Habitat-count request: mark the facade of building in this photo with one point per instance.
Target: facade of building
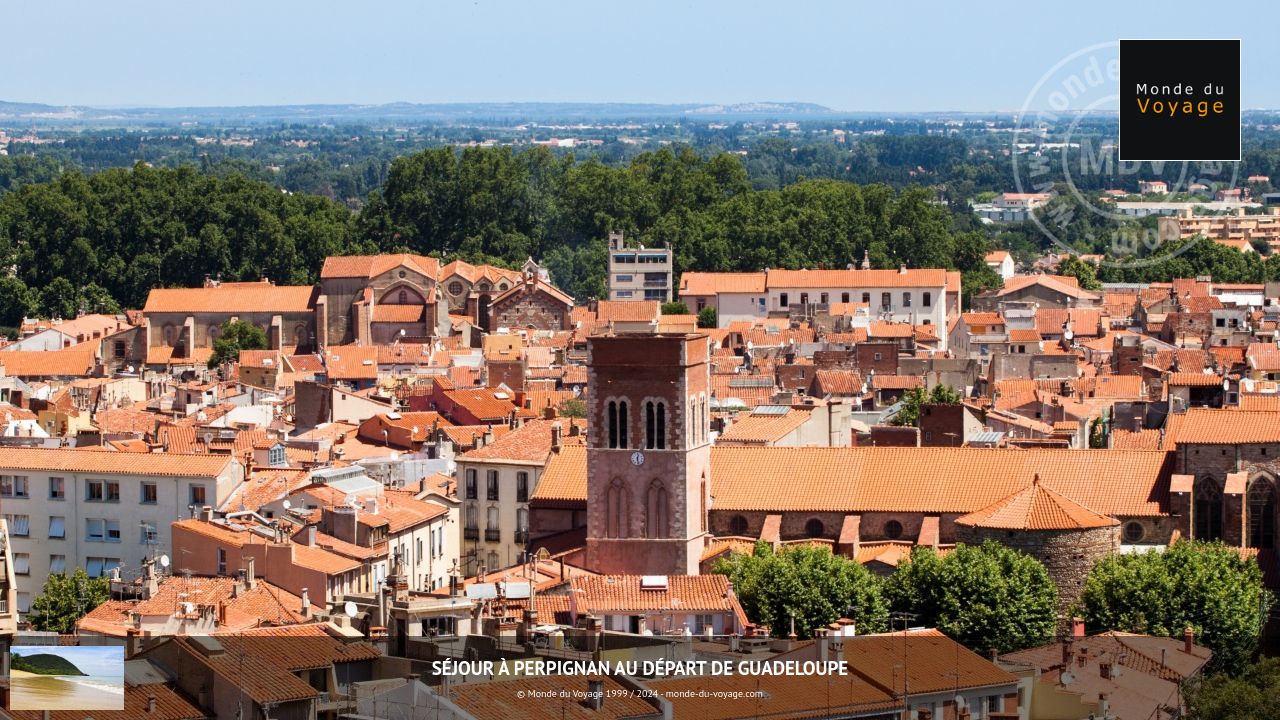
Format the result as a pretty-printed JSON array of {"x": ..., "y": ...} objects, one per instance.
[{"x": 639, "y": 273}]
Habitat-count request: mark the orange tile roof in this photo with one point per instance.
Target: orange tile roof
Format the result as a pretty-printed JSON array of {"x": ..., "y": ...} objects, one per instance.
[
  {"x": 1209, "y": 426},
  {"x": 1085, "y": 322},
  {"x": 532, "y": 286},
  {"x": 483, "y": 403},
  {"x": 75, "y": 361},
  {"x": 628, "y": 310},
  {"x": 1140, "y": 440},
  {"x": 465, "y": 435},
  {"x": 529, "y": 443},
  {"x": 232, "y": 298},
  {"x": 1194, "y": 379},
  {"x": 927, "y": 277},
  {"x": 1065, "y": 285},
  {"x": 1036, "y": 507},
  {"x": 886, "y": 479},
  {"x": 1259, "y": 403},
  {"x": 351, "y": 362},
  {"x": 762, "y": 429},
  {"x": 126, "y": 420},
  {"x": 368, "y": 266},
  {"x": 611, "y": 594},
  {"x": 708, "y": 283},
  {"x": 881, "y": 329},
  {"x": 982, "y": 318},
  {"x": 838, "y": 382},
  {"x": 393, "y": 313},
  {"x": 938, "y": 663},
  {"x": 896, "y": 382},
  {"x": 997, "y": 255},
  {"x": 1024, "y": 335},
  {"x": 84, "y": 461}
]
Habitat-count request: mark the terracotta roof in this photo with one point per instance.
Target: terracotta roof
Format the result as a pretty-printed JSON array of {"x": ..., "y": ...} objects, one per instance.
[
  {"x": 896, "y": 382},
  {"x": 611, "y": 594},
  {"x": 1194, "y": 379},
  {"x": 756, "y": 429},
  {"x": 465, "y": 435},
  {"x": 982, "y": 318},
  {"x": 531, "y": 442},
  {"x": 530, "y": 286},
  {"x": 269, "y": 359},
  {"x": 351, "y": 362},
  {"x": 1209, "y": 426},
  {"x": 123, "y": 420},
  {"x": 1036, "y": 507},
  {"x": 483, "y": 403},
  {"x": 1139, "y": 440},
  {"x": 997, "y": 256},
  {"x": 938, "y": 663},
  {"x": 837, "y": 382},
  {"x": 75, "y": 361},
  {"x": 1065, "y": 285},
  {"x": 232, "y": 298},
  {"x": 881, "y": 329},
  {"x": 628, "y": 310},
  {"x": 84, "y": 461},
  {"x": 927, "y": 278},
  {"x": 1024, "y": 335},
  {"x": 1085, "y": 322},
  {"x": 707, "y": 283},
  {"x": 1259, "y": 403},
  {"x": 392, "y": 313},
  {"x": 887, "y": 479},
  {"x": 367, "y": 266}
]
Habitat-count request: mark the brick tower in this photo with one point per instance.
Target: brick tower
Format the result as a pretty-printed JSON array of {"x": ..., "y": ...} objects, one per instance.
[{"x": 648, "y": 453}]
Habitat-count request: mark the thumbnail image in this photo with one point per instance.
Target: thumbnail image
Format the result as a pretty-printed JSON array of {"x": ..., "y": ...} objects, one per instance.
[{"x": 66, "y": 678}]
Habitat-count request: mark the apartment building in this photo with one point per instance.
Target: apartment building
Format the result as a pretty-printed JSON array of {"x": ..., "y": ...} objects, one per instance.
[
  {"x": 639, "y": 273},
  {"x": 69, "y": 509},
  {"x": 1235, "y": 229}
]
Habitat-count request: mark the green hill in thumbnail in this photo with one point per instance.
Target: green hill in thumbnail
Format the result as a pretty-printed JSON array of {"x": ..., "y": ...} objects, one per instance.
[{"x": 44, "y": 664}]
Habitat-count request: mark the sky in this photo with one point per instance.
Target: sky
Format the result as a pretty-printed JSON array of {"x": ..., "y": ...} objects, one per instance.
[{"x": 852, "y": 56}]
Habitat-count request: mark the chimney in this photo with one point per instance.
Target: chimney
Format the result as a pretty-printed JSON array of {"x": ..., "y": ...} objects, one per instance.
[
  {"x": 222, "y": 616},
  {"x": 1188, "y": 639},
  {"x": 306, "y": 604},
  {"x": 902, "y": 269},
  {"x": 555, "y": 437},
  {"x": 1067, "y": 652},
  {"x": 595, "y": 694},
  {"x": 821, "y": 636},
  {"x": 250, "y": 580},
  {"x": 151, "y": 704},
  {"x": 206, "y": 513},
  {"x": 311, "y": 536},
  {"x": 373, "y": 506},
  {"x": 1104, "y": 707},
  {"x": 549, "y": 412},
  {"x": 1077, "y": 627}
]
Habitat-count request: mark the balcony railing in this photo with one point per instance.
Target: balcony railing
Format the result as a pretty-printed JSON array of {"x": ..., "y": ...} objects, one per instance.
[
  {"x": 522, "y": 537},
  {"x": 471, "y": 533},
  {"x": 492, "y": 535}
]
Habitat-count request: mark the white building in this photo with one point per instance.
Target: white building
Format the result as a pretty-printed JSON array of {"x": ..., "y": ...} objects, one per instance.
[
  {"x": 100, "y": 510},
  {"x": 1002, "y": 262}
]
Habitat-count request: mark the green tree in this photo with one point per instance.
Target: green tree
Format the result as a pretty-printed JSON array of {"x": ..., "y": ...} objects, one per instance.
[
  {"x": 1085, "y": 272},
  {"x": 913, "y": 399},
  {"x": 987, "y": 597},
  {"x": 807, "y": 584},
  {"x": 573, "y": 408},
  {"x": 1252, "y": 695},
  {"x": 16, "y": 301},
  {"x": 707, "y": 318},
  {"x": 236, "y": 335},
  {"x": 66, "y": 598},
  {"x": 1208, "y": 587},
  {"x": 675, "y": 308},
  {"x": 59, "y": 299}
]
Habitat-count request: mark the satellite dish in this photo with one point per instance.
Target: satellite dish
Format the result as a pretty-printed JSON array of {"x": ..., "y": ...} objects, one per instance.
[
  {"x": 350, "y": 609},
  {"x": 1068, "y": 334},
  {"x": 286, "y": 504},
  {"x": 164, "y": 561},
  {"x": 188, "y": 608}
]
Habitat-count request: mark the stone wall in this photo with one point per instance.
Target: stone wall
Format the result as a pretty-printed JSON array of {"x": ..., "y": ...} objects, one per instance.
[{"x": 1068, "y": 555}]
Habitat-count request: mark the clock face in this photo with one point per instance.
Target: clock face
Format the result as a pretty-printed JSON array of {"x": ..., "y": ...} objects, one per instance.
[{"x": 637, "y": 458}]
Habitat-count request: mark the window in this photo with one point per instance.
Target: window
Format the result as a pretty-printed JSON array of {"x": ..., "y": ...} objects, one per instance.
[
  {"x": 94, "y": 529},
  {"x": 927, "y": 301},
  {"x": 737, "y": 525},
  {"x": 419, "y": 555},
  {"x": 471, "y": 485},
  {"x": 844, "y": 297},
  {"x": 624, "y": 293},
  {"x": 493, "y": 560},
  {"x": 197, "y": 494},
  {"x": 149, "y": 536},
  {"x": 113, "y": 491},
  {"x": 783, "y": 300},
  {"x": 21, "y": 564},
  {"x": 804, "y": 298},
  {"x": 491, "y": 520},
  {"x": 491, "y": 484},
  {"x": 886, "y": 300},
  {"x": 617, "y": 523},
  {"x": 655, "y": 425},
  {"x": 276, "y": 455},
  {"x": 119, "y": 348},
  {"x": 866, "y": 298},
  {"x": 1261, "y": 509},
  {"x": 148, "y": 493},
  {"x": 57, "y": 488},
  {"x": 1134, "y": 532},
  {"x": 814, "y": 528},
  {"x": 906, "y": 299},
  {"x": 222, "y": 561},
  {"x": 471, "y": 517},
  {"x": 57, "y": 564},
  {"x": 622, "y": 278},
  {"x": 93, "y": 490},
  {"x": 1208, "y": 510},
  {"x": 617, "y": 421},
  {"x": 822, "y": 298},
  {"x": 57, "y": 527},
  {"x": 13, "y": 486},
  {"x": 522, "y": 487},
  {"x": 657, "y": 518},
  {"x": 19, "y": 525},
  {"x": 113, "y": 530},
  {"x": 893, "y": 529}
]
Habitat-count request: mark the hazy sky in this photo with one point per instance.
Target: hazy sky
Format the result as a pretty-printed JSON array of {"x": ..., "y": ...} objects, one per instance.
[{"x": 847, "y": 55}]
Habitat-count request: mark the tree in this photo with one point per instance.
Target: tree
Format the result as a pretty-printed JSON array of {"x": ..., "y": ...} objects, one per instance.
[
  {"x": 1250, "y": 696},
  {"x": 573, "y": 408},
  {"x": 806, "y": 584},
  {"x": 236, "y": 335},
  {"x": 707, "y": 318},
  {"x": 1080, "y": 270},
  {"x": 65, "y": 599},
  {"x": 59, "y": 299},
  {"x": 1208, "y": 587},
  {"x": 675, "y": 308},
  {"x": 987, "y": 597},
  {"x": 909, "y": 413},
  {"x": 16, "y": 301}
]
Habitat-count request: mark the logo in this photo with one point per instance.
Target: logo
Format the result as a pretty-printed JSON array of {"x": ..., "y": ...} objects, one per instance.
[{"x": 1180, "y": 100}]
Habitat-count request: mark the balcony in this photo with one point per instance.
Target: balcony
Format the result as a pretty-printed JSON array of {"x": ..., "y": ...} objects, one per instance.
[
  {"x": 522, "y": 537},
  {"x": 492, "y": 535},
  {"x": 471, "y": 533}
]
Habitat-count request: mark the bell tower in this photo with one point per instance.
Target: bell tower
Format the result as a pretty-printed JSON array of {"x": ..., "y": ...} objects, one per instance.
[{"x": 648, "y": 452}]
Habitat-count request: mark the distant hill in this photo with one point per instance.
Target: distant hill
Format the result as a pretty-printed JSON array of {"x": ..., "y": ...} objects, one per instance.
[
  {"x": 17, "y": 114},
  {"x": 44, "y": 664}
]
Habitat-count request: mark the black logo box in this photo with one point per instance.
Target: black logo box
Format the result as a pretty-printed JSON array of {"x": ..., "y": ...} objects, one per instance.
[{"x": 1189, "y": 65}]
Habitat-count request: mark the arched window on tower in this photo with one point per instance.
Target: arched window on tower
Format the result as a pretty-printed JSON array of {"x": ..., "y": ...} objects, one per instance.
[
  {"x": 624, "y": 439},
  {"x": 657, "y": 517},
  {"x": 616, "y": 510},
  {"x": 1208, "y": 509},
  {"x": 1262, "y": 512},
  {"x": 403, "y": 297},
  {"x": 611, "y": 410},
  {"x": 655, "y": 425}
]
